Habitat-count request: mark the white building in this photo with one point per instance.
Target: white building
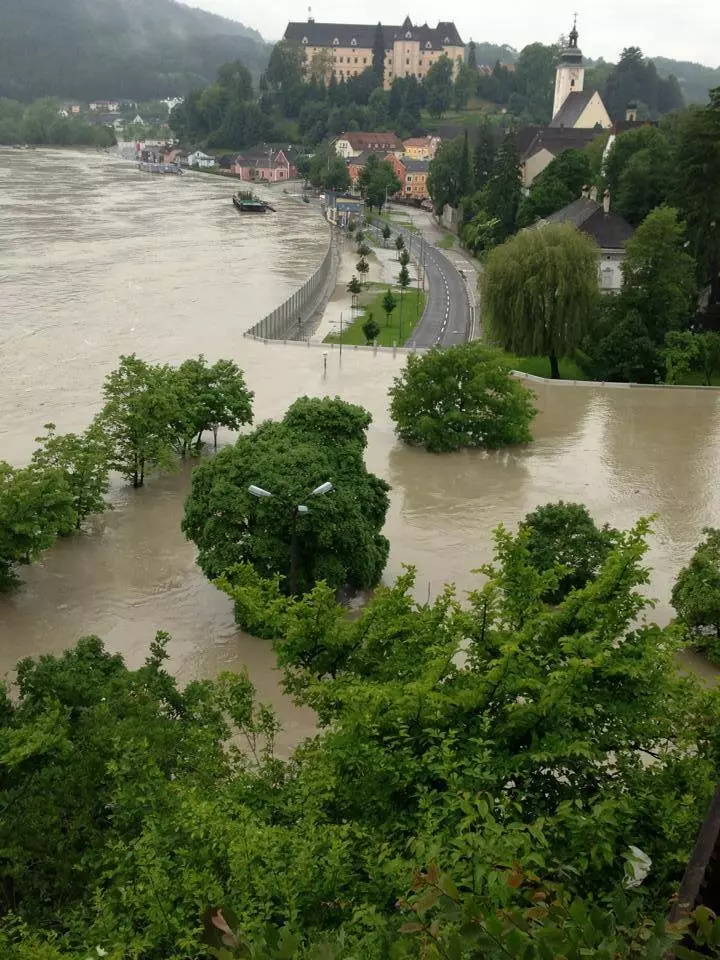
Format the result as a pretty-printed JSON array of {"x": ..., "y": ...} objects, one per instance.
[{"x": 201, "y": 160}]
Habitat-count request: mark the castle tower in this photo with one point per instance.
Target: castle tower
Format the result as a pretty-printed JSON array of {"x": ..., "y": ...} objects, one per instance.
[{"x": 570, "y": 73}]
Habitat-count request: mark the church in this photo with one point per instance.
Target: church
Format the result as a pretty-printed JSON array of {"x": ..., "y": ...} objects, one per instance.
[{"x": 578, "y": 115}]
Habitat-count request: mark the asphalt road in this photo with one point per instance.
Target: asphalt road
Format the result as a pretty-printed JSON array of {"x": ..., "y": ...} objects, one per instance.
[{"x": 446, "y": 320}]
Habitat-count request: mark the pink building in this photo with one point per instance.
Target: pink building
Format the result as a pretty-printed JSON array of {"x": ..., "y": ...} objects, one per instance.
[{"x": 258, "y": 165}]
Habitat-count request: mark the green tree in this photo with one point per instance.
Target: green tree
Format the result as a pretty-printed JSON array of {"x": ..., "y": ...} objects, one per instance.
[
  {"x": 371, "y": 328},
  {"x": 438, "y": 86},
  {"x": 208, "y": 397},
  {"x": 466, "y": 174},
  {"x": 389, "y": 303},
  {"x": 403, "y": 281},
  {"x": 638, "y": 171},
  {"x": 464, "y": 396},
  {"x": 84, "y": 463},
  {"x": 539, "y": 290},
  {"x": 484, "y": 155},
  {"x": 444, "y": 174},
  {"x": 386, "y": 233},
  {"x": 364, "y": 250},
  {"x": 472, "y": 55},
  {"x": 696, "y": 594},
  {"x": 377, "y": 181},
  {"x": 378, "y": 54},
  {"x": 328, "y": 171},
  {"x": 465, "y": 85},
  {"x": 141, "y": 405},
  {"x": 503, "y": 190},
  {"x": 708, "y": 344},
  {"x": 354, "y": 288},
  {"x": 339, "y": 539},
  {"x": 563, "y": 538},
  {"x": 559, "y": 184},
  {"x": 659, "y": 275},
  {"x": 620, "y": 348},
  {"x": 697, "y": 188},
  {"x": 399, "y": 243},
  {"x": 36, "y": 506},
  {"x": 235, "y": 78},
  {"x": 362, "y": 267},
  {"x": 403, "y": 258}
]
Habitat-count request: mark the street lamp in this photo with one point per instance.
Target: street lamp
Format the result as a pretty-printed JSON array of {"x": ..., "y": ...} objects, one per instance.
[{"x": 297, "y": 508}]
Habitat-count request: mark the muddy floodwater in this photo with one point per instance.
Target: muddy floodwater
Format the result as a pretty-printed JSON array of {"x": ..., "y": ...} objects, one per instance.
[{"x": 97, "y": 259}]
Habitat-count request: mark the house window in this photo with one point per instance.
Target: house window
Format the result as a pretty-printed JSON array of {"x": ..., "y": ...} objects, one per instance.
[
  {"x": 407, "y": 61},
  {"x": 336, "y": 42},
  {"x": 355, "y": 59},
  {"x": 364, "y": 59},
  {"x": 428, "y": 46},
  {"x": 606, "y": 278},
  {"x": 304, "y": 39},
  {"x": 408, "y": 35},
  {"x": 353, "y": 42}
]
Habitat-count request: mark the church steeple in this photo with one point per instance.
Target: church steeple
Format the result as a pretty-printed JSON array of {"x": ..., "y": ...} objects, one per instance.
[{"x": 570, "y": 73}]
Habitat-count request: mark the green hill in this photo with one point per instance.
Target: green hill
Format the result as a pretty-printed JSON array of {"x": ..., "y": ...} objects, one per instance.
[
  {"x": 134, "y": 49},
  {"x": 695, "y": 79}
]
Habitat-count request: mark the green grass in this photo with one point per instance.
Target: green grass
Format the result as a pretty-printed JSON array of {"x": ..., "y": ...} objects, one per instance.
[
  {"x": 413, "y": 306},
  {"x": 540, "y": 367},
  {"x": 447, "y": 242}
]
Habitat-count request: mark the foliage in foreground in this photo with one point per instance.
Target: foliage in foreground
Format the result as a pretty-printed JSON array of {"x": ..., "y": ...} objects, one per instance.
[
  {"x": 459, "y": 397},
  {"x": 696, "y": 595},
  {"x": 339, "y": 538},
  {"x": 480, "y": 779}
]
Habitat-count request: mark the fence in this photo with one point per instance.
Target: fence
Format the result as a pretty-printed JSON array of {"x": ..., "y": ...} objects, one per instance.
[{"x": 291, "y": 320}]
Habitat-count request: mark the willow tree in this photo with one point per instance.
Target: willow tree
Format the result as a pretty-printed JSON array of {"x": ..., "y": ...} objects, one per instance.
[{"x": 539, "y": 290}]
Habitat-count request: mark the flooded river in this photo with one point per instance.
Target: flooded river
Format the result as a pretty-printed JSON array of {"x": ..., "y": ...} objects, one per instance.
[{"x": 97, "y": 259}]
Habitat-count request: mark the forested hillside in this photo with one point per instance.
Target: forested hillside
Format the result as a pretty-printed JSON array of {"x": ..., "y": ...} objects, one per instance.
[
  {"x": 695, "y": 79},
  {"x": 135, "y": 49}
]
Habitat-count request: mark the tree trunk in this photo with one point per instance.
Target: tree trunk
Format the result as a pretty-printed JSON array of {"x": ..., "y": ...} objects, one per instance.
[{"x": 554, "y": 366}]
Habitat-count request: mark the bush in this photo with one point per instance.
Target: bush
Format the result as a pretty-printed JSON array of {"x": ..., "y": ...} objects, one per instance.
[
  {"x": 464, "y": 396},
  {"x": 696, "y": 595}
]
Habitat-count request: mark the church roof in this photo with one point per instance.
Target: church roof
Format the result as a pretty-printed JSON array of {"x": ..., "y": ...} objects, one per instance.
[
  {"x": 363, "y": 35},
  {"x": 608, "y": 230},
  {"x": 572, "y": 109}
]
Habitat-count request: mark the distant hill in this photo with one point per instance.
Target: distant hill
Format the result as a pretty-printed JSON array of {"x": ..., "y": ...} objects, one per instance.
[
  {"x": 695, "y": 79},
  {"x": 133, "y": 49}
]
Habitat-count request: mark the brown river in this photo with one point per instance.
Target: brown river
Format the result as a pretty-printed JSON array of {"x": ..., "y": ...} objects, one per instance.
[{"x": 97, "y": 259}]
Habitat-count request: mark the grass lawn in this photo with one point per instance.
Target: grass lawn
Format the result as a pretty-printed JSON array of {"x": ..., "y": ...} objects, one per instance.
[
  {"x": 540, "y": 367},
  {"x": 413, "y": 306},
  {"x": 447, "y": 242}
]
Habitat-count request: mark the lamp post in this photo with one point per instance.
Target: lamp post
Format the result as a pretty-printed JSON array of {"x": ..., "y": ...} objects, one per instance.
[{"x": 297, "y": 509}]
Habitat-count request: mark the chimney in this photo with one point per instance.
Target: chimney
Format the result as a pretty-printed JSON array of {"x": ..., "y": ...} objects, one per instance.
[
  {"x": 585, "y": 192},
  {"x": 606, "y": 201},
  {"x": 593, "y": 193}
]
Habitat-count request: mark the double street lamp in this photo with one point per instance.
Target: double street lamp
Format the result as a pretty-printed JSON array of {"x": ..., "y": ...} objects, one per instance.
[{"x": 297, "y": 509}]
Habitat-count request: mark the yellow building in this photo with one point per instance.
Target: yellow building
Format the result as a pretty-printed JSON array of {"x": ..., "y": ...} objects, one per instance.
[
  {"x": 344, "y": 50},
  {"x": 421, "y": 148}
]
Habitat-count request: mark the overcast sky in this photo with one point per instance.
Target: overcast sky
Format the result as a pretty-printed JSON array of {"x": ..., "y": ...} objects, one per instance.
[{"x": 683, "y": 31}]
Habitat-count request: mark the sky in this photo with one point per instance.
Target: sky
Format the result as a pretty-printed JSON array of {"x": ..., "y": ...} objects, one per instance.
[{"x": 687, "y": 31}]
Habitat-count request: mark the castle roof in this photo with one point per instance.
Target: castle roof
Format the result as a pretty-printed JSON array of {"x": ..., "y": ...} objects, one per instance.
[{"x": 314, "y": 34}]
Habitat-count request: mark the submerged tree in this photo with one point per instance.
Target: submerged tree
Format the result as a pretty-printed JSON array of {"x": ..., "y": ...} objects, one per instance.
[
  {"x": 463, "y": 396},
  {"x": 539, "y": 291},
  {"x": 84, "y": 463},
  {"x": 338, "y": 539}
]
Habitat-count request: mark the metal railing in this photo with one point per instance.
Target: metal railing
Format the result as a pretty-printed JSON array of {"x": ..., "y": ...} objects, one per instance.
[{"x": 290, "y": 321}]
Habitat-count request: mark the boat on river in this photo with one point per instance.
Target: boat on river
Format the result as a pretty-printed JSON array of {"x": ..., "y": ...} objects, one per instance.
[{"x": 247, "y": 202}]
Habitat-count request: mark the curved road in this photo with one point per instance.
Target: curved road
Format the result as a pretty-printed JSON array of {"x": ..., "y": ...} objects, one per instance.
[{"x": 447, "y": 316}]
